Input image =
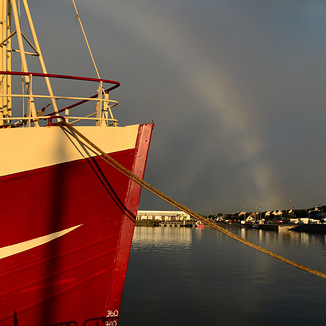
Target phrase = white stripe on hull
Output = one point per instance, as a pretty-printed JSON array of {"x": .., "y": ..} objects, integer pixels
[
  {"x": 30, "y": 244},
  {"x": 25, "y": 149}
]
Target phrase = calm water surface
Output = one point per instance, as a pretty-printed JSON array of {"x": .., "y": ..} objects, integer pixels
[{"x": 182, "y": 276}]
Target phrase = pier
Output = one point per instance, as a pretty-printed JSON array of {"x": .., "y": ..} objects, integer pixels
[
  {"x": 308, "y": 228},
  {"x": 275, "y": 227}
]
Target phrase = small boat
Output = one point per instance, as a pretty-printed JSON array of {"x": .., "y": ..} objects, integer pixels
[
  {"x": 200, "y": 225},
  {"x": 67, "y": 217}
]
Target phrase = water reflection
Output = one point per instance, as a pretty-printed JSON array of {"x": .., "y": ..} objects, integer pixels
[
  {"x": 307, "y": 249},
  {"x": 161, "y": 238},
  {"x": 282, "y": 237},
  {"x": 181, "y": 276},
  {"x": 181, "y": 239}
]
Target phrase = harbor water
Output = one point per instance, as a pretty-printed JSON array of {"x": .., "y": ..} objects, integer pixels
[{"x": 188, "y": 276}]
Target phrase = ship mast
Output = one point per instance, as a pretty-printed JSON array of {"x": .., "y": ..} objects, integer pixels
[
  {"x": 5, "y": 59},
  {"x": 8, "y": 8}
]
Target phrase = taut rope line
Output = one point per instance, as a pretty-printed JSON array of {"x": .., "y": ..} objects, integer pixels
[{"x": 92, "y": 147}]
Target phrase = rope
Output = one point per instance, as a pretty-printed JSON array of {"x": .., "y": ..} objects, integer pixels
[
  {"x": 85, "y": 37},
  {"x": 96, "y": 150}
]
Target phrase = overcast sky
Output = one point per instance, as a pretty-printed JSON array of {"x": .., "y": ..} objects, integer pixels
[{"x": 236, "y": 88}]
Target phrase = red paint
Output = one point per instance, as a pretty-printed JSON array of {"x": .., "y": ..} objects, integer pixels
[{"x": 80, "y": 275}]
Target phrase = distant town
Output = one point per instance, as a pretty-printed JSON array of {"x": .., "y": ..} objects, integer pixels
[{"x": 314, "y": 215}]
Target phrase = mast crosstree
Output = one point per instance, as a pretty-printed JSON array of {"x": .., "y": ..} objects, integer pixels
[
  {"x": 9, "y": 9},
  {"x": 11, "y": 14}
]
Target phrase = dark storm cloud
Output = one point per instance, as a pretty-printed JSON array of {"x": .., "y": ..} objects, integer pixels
[{"x": 236, "y": 89}]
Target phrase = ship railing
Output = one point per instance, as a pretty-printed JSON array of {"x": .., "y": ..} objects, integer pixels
[
  {"x": 34, "y": 113},
  {"x": 23, "y": 121}
]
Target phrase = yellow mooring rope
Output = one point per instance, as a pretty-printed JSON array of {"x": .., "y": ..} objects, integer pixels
[{"x": 92, "y": 147}]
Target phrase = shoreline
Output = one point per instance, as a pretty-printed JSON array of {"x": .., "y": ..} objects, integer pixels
[{"x": 307, "y": 228}]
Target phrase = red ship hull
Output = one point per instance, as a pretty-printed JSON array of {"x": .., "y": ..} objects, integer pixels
[{"x": 66, "y": 233}]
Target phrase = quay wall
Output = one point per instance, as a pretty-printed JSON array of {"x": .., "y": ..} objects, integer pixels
[{"x": 166, "y": 223}]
